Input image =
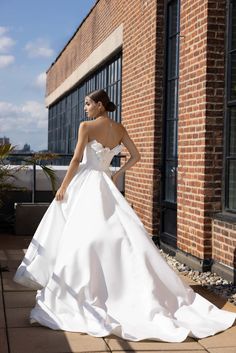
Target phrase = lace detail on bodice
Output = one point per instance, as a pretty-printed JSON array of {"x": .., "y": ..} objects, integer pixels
[{"x": 98, "y": 156}]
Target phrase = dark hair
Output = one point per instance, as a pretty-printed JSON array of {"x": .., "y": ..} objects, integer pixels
[{"x": 102, "y": 96}]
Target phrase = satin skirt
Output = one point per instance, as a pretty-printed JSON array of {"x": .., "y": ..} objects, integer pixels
[{"x": 97, "y": 271}]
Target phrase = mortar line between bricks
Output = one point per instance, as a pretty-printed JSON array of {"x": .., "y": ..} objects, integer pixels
[{"x": 4, "y": 312}]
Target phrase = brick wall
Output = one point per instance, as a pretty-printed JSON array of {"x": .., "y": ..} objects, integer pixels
[
  {"x": 201, "y": 94},
  {"x": 201, "y": 110},
  {"x": 102, "y": 20},
  {"x": 139, "y": 102},
  {"x": 191, "y": 131},
  {"x": 224, "y": 242}
]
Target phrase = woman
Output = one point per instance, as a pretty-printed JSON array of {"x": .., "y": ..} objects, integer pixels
[
  {"x": 104, "y": 130},
  {"x": 95, "y": 267}
]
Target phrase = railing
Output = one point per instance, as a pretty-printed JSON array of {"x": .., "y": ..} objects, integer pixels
[{"x": 15, "y": 158}]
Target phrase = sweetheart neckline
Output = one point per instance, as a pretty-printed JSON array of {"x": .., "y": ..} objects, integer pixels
[{"x": 111, "y": 149}]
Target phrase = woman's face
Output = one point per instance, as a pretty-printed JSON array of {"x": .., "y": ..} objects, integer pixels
[{"x": 91, "y": 108}]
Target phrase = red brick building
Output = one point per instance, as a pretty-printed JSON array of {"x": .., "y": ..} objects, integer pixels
[{"x": 171, "y": 68}]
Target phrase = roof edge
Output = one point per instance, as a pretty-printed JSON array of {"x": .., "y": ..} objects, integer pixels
[{"x": 76, "y": 31}]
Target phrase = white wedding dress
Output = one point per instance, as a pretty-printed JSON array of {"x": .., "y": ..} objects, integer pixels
[{"x": 96, "y": 269}]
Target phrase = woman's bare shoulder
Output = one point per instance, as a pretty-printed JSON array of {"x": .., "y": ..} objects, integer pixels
[
  {"x": 121, "y": 127},
  {"x": 87, "y": 124}
]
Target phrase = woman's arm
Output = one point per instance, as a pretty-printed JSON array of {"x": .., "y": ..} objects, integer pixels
[
  {"x": 74, "y": 163},
  {"x": 134, "y": 155}
]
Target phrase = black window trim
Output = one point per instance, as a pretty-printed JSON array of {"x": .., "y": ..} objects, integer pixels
[
  {"x": 228, "y": 103},
  {"x": 55, "y": 109}
]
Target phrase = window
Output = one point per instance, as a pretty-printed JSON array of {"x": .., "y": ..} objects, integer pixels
[
  {"x": 230, "y": 125},
  {"x": 171, "y": 115},
  {"x": 66, "y": 115}
]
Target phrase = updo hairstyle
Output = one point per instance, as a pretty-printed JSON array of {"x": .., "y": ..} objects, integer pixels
[{"x": 102, "y": 96}]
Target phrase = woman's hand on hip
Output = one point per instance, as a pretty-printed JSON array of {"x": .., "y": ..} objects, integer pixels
[
  {"x": 60, "y": 193},
  {"x": 114, "y": 178}
]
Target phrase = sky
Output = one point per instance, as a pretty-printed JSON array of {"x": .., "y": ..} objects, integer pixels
[{"x": 32, "y": 34}]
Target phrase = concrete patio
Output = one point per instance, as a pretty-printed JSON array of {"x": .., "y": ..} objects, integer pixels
[{"x": 18, "y": 336}]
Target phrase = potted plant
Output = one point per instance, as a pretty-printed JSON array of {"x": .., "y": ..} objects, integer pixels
[
  {"x": 27, "y": 214},
  {"x": 7, "y": 178}
]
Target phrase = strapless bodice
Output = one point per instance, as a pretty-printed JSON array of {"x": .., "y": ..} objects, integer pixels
[{"x": 99, "y": 157}]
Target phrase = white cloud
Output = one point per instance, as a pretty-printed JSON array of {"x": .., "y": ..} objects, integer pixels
[
  {"x": 35, "y": 114},
  {"x": 40, "y": 81},
  {"x": 25, "y": 118},
  {"x": 6, "y": 42},
  {"x": 6, "y": 60},
  {"x": 39, "y": 48},
  {"x": 3, "y": 30}
]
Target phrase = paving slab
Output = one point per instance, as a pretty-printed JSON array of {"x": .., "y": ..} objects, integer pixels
[
  {"x": 170, "y": 351},
  {"x": 10, "y": 285},
  {"x": 3, "y": 341},
  {"x": 44, "y": 340},
  {"x": 3, "y": 256},
  {"x": 117, "y": 344},
  {"x": 221, "y": 340},
  {"x": 11, "y": 265},
  {"x": 217, "y": 300},
  {"x": 12, "y": 254},
  {"x": 2, "y": 316},
  {"x": 18, "y": 317},
  {"x": 11, "y": 241},
  {"x": 222, "y": 350},
  {"x": 81, "y": 342},
  {"x": 19, "y": 299}
]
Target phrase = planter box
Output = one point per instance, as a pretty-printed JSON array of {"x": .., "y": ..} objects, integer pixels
[{"x": 28, "y": 217}]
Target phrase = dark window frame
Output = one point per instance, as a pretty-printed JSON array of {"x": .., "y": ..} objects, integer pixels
[
  {"x": 229, "y": 104},
  {"x": 168, "y": 157},
  {"x": 66, "y": 114}
]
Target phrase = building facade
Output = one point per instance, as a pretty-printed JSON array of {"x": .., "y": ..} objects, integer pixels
[
  {"x": 4, "y": 140},
  {"x": 170, "y": 67}
]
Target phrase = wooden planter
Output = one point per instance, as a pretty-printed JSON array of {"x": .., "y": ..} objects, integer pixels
[{"x": 28, "y": 217}]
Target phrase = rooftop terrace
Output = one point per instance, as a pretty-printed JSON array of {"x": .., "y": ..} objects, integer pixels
[{"x": 18, "y": 336}]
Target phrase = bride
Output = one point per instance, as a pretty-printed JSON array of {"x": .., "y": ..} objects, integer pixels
[{"x": 95, "y": 268}]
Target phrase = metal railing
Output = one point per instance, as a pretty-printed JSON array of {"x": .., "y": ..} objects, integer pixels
[{"x": 18, "y": 157}]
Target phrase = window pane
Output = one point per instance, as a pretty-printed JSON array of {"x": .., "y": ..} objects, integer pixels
[
  {"x": 63, "y": 104},
  {"x": 233, "y": 76},
  {"x": 232, "y": 184},
  {"x": 232, "y": 131},
  {"x": 74, "y": 98},
  {"x": 230, "y": 162},
  {"x": 172, "y": 99},
  {"x": 172, "y": 64},
  {"x": 170, "y": 182},
  {"x": 233, "y": 44},
  {"x": 66, "y": 115},
  {"x": 171, "y": 118},
  {"x": 173, "y": 18},
  {"x": 171, "y": 139}
]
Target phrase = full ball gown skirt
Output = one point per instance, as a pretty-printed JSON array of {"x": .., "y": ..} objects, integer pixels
[{"x": 96, "y": 269}]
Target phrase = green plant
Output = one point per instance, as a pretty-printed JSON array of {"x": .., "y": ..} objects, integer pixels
[
  {"x": 39, "y": 159},
  {"x": 9, "y": 174}
]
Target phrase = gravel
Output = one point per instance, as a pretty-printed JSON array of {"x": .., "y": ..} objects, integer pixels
[{"x": 208, "y": 280}]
